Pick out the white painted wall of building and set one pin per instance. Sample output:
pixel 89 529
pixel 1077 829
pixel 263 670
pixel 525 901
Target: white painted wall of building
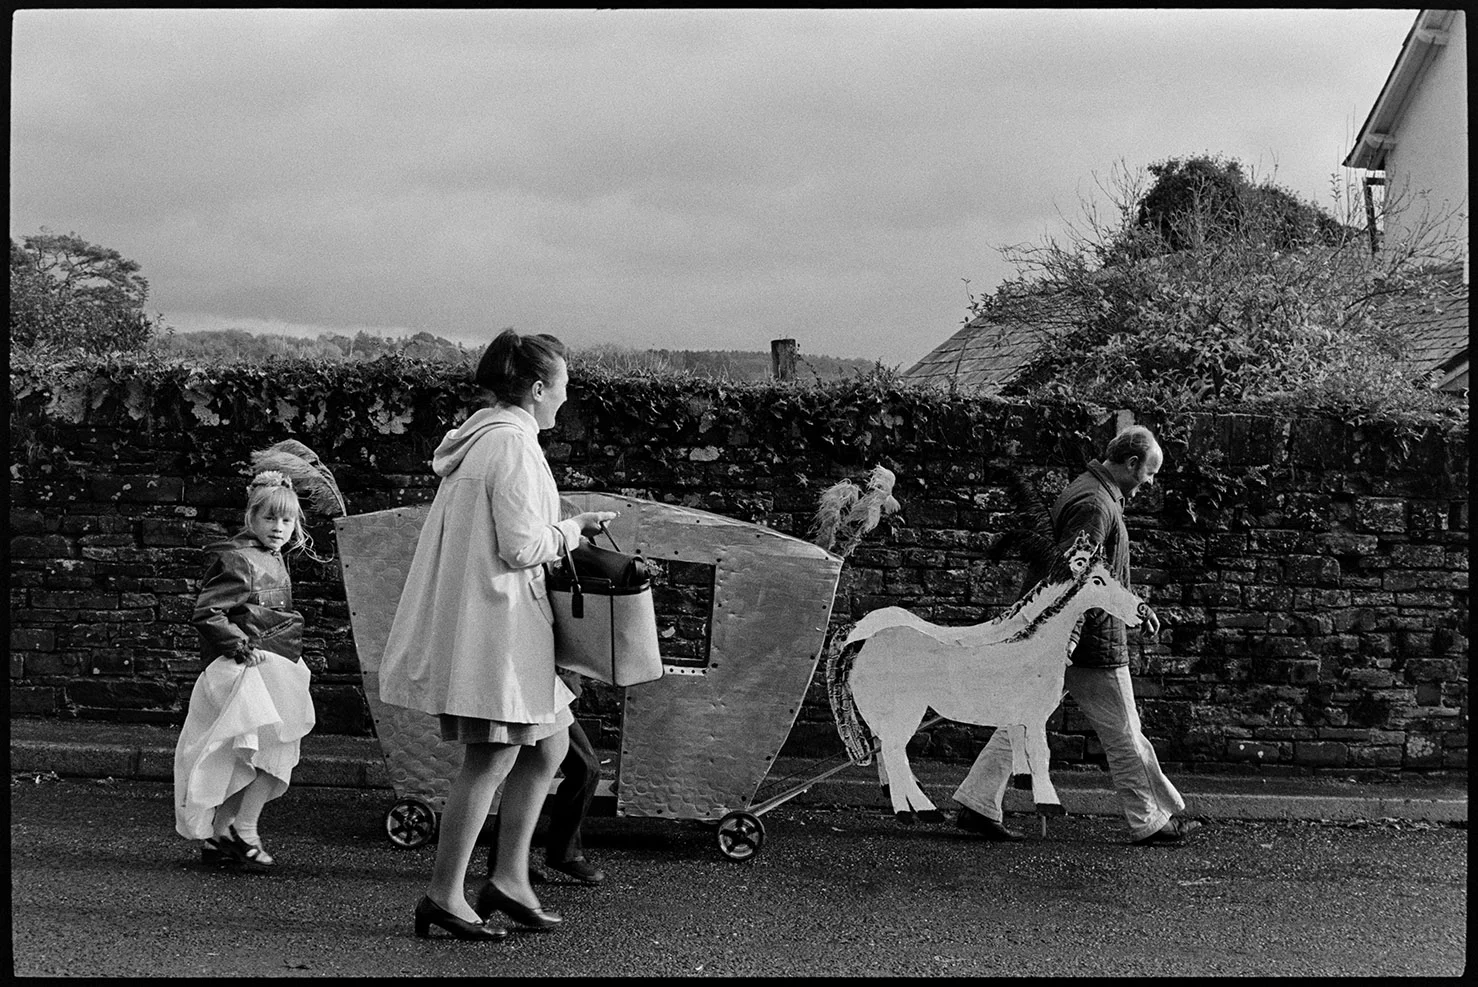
pixel 1431 152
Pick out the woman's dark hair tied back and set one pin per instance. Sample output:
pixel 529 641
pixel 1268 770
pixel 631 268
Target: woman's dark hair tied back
pixel 512 363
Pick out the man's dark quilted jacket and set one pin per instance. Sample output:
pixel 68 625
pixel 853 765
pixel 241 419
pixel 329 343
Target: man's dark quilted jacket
pixel 1094 504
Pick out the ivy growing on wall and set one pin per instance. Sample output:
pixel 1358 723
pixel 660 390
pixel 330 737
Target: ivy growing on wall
pixel 321 403
pixel 868 419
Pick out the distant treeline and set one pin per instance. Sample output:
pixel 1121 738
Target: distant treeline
pixel 733 364
pixel 238 345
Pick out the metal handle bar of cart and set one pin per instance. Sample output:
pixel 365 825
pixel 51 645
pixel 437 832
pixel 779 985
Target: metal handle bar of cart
pixel 801 789
pixel 741 834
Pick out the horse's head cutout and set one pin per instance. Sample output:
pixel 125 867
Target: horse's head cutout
pixel 1081 554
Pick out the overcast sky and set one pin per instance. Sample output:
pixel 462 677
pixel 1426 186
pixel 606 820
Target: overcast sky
pixel 651 178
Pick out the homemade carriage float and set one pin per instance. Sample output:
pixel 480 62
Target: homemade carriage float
pixel 697 743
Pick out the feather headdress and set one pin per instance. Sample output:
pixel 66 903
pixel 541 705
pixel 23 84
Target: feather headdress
pixel 310 477
pixel 846 512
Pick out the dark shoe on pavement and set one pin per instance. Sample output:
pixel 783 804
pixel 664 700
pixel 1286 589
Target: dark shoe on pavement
pixel 490 899
pixel 429 913
pixel 251 857
pixel 1173 831
pixel 580 869
pixel 973 822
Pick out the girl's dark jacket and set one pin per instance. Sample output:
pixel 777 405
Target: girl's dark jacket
pixel 245 602
pixel 1093 504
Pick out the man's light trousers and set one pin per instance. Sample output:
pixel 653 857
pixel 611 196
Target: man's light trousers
pixel 1106 697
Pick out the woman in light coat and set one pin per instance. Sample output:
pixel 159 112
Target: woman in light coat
pixel 473 636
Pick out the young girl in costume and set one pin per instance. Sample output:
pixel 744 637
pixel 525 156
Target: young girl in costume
pixel 250 707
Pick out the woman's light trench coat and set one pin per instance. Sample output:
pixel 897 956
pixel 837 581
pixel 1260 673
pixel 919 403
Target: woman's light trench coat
pixel 474 634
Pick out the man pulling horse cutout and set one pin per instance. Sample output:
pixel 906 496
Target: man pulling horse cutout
pixel 1098 676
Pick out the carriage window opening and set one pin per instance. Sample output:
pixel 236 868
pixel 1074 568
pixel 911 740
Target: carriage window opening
pixel 682 594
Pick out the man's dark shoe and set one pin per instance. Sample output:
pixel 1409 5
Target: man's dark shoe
pixel 973 822
pixel 1173 831
pixel 580 869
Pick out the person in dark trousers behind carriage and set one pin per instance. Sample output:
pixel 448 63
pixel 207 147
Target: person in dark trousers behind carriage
pixel 1098 677
pixel 567 807
pixel 473 638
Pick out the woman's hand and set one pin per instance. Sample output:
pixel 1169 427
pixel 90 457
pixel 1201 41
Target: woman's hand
pixel 591 521
pixel 255 657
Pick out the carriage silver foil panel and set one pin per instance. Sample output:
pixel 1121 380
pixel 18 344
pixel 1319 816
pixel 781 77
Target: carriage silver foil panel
pixel 696 747
pixel 692 746
pixel 375 552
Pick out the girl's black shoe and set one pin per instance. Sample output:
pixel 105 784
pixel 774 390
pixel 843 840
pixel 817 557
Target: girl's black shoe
pixel 490 899
pixel 429 913
pixel 247 856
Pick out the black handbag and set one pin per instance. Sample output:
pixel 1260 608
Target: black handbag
pixel 588 567
pixel 605 625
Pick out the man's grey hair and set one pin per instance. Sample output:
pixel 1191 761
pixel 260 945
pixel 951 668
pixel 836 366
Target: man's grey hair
pixel 1136 440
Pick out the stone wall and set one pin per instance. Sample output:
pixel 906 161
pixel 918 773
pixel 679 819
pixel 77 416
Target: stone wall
pixel 1311 575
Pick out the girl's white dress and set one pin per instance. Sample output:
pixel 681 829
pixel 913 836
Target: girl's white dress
pixel 242 719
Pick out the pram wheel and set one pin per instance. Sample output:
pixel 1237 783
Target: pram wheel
pixel 411 823
pixel 740 835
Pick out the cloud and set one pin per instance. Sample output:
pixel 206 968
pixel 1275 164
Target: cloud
pixel 675 178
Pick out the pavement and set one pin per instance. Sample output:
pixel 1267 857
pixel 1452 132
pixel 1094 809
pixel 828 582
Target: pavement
pixel 145 752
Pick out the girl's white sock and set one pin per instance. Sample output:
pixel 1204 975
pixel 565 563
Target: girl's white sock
pixel 256 795
pixel 221 825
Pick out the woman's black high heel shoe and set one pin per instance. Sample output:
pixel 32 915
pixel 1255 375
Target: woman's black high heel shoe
pixel 490 899
pixel 429 913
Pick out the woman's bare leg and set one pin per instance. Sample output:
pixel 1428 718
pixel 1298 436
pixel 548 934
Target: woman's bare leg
pixel 483 769
pixel 518 814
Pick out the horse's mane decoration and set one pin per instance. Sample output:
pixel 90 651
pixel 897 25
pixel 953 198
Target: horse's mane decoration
pixel 892 666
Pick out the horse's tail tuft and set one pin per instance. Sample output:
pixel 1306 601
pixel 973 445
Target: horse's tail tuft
pixel 854 733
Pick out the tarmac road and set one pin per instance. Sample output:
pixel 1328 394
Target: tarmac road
pixel 101 886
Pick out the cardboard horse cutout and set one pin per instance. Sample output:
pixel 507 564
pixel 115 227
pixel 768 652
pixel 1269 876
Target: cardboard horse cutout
pixel 1008 673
